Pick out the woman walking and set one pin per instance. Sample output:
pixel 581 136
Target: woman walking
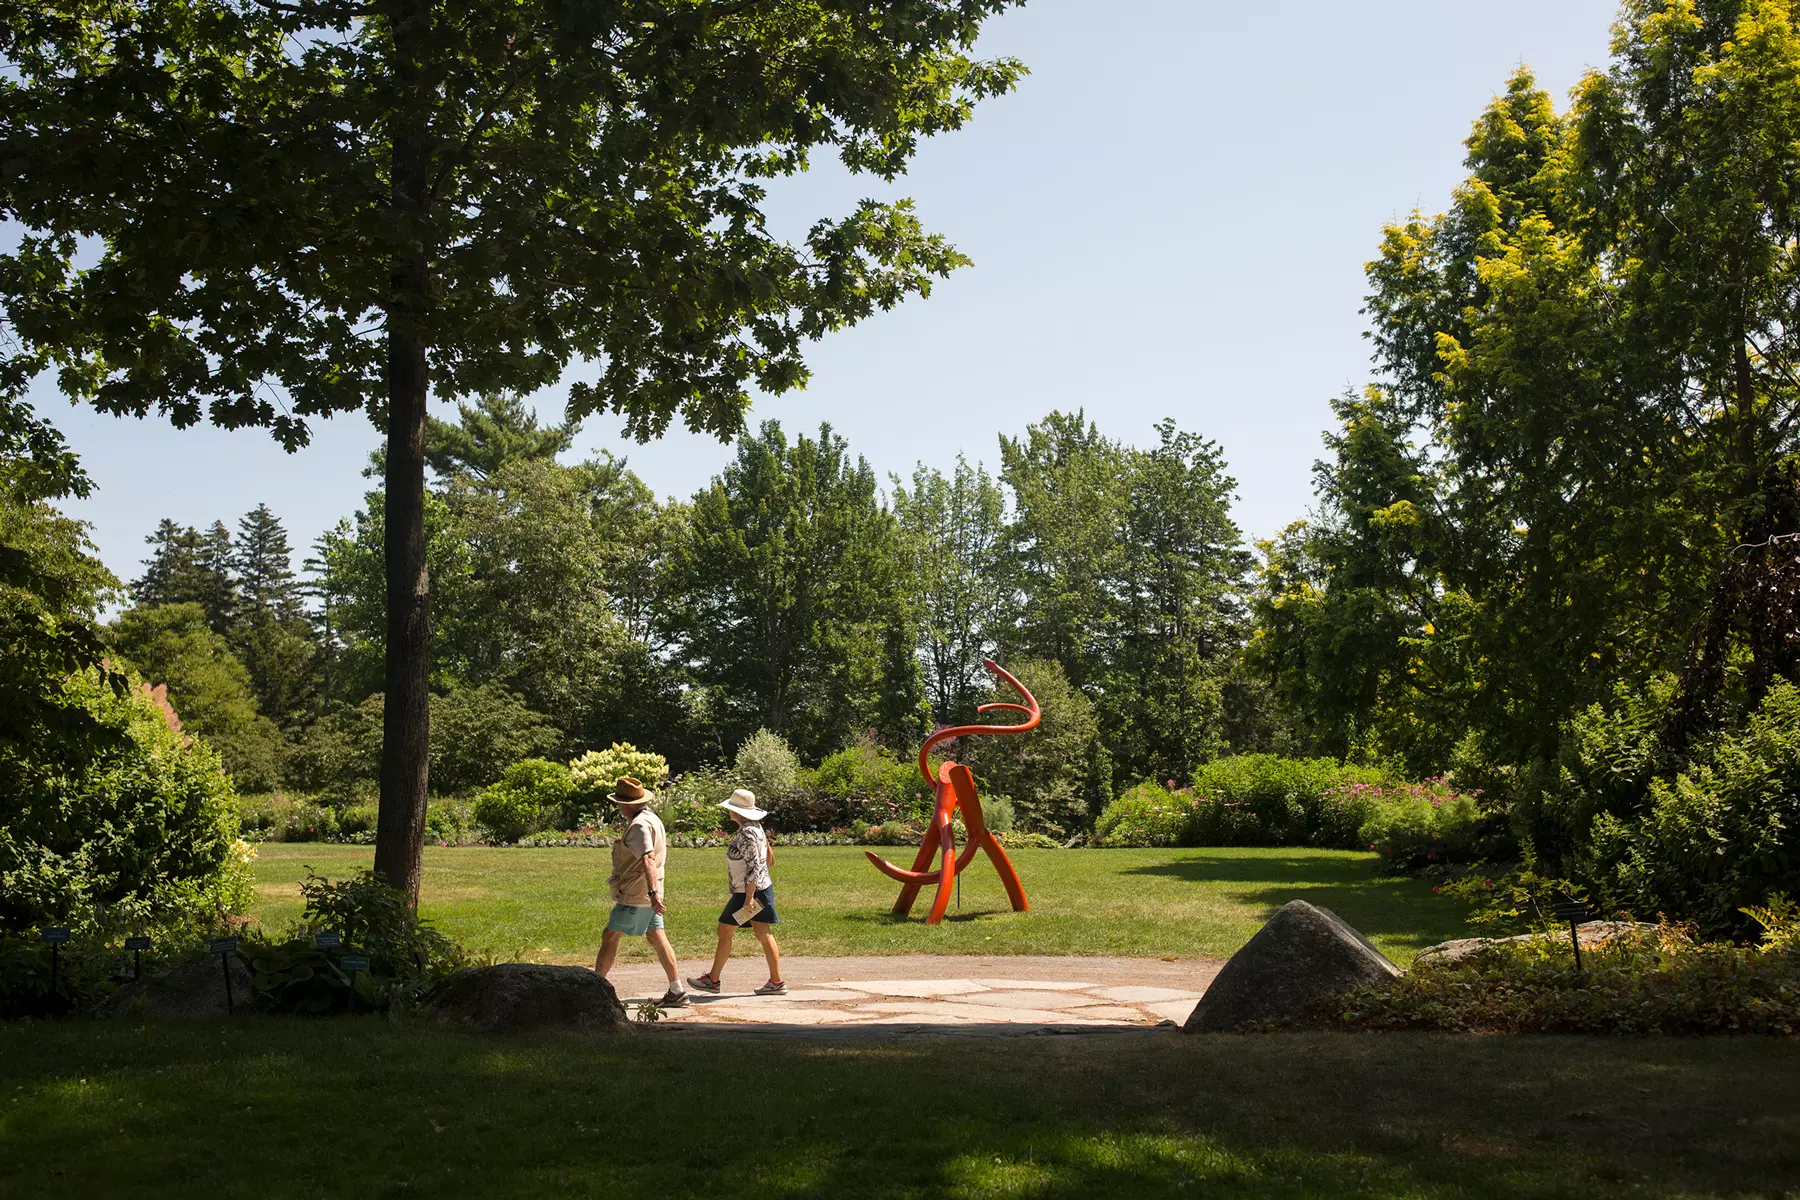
pixel 747 862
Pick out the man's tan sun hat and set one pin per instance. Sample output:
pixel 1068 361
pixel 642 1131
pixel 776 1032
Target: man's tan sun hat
pixel 743 803
pixel 630 791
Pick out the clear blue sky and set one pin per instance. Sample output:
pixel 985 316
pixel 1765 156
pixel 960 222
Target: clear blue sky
pixel 1168 218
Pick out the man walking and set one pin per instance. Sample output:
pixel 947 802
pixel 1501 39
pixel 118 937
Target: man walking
pixel 637 888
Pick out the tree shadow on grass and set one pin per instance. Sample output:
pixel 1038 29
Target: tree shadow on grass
pixel 1403 913
pixel 244 1109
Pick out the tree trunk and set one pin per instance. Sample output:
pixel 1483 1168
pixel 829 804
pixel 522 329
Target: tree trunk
pixel 406 716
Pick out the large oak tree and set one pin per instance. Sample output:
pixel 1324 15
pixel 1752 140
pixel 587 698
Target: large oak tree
pixel 266 211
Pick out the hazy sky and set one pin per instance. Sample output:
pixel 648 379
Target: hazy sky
pixel 1168 218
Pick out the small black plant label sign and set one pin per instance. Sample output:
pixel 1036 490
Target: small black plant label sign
pixel 327 941
pixel 55 936
pixel 224 945
pixel 137 942
pixel 1574 912
pixel 354 962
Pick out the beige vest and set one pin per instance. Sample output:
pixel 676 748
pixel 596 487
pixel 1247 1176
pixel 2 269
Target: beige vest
pixel 628 882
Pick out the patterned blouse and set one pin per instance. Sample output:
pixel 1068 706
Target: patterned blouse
pixel 748 854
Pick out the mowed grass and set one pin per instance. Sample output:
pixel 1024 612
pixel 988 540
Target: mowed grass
pixel 550 905
pixel 364 1107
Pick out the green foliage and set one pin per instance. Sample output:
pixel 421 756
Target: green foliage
pixel 83 978
pixel 1415 826
pixel 870 783
pixel 529 794
pixel 767 765
pixel 489 434
pixel 406 955
pixel 1521 898
pixel 998 812
pixel 596 773
pixel 1719 837
pixel 791 602
pixel 476 732
pixel 1655 983
pixel 1780 923
pixel 136 832
pixel 449 822
pixel 188 567
pixel 278 817
pixel 1149 815
pixel 688 804
pixel 1126 563
pixel 1269 800
pixel 171 644
pixel 952 536
pixel 51 592
pixel 1044 771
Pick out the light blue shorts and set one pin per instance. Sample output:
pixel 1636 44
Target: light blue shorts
pixel 634 920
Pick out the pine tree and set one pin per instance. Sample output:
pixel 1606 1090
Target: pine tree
pixel 264 565
pixel 272 636
pixel 169 572
pixel 218 586
pixel 186 567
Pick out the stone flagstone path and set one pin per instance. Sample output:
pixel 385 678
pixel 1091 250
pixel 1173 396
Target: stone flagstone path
pixel 939 990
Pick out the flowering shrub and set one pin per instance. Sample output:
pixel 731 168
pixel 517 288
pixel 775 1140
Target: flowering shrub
pixel 597 772
pixel 1417 825
pixel 1270 800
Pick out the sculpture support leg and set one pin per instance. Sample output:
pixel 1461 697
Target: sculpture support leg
pixel 910 891
pixel 947 879
pixel 1015 891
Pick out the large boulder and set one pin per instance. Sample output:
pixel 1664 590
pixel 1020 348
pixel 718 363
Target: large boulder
pixel 1302 954
pixel 513 996
pixel 194 988
pixel 1593 935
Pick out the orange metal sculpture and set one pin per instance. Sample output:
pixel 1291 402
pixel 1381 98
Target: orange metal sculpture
pixel 955 788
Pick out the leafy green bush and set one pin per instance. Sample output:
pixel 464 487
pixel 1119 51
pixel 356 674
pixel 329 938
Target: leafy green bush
pixel 1718 838
pixel 449 822
pixel 1654 983
pixel 1270 800
pixel 287 818
pixel 528 794
pixel 997 811
pixel 689 804
pixel 870 783
pixel 406 955
pixel 358 820
pixel 1417 825
pixel 137 831
pixel 83 978
pixel 767 766
pixel 1149 815
pixel 597 772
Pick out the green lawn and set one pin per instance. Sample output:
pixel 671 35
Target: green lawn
pixel 365 1107
pixel 551 904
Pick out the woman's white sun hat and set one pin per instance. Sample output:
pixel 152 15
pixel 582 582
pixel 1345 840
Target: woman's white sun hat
pixel 743 803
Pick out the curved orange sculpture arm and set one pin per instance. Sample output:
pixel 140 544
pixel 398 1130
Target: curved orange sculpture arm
pixel 1029 708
